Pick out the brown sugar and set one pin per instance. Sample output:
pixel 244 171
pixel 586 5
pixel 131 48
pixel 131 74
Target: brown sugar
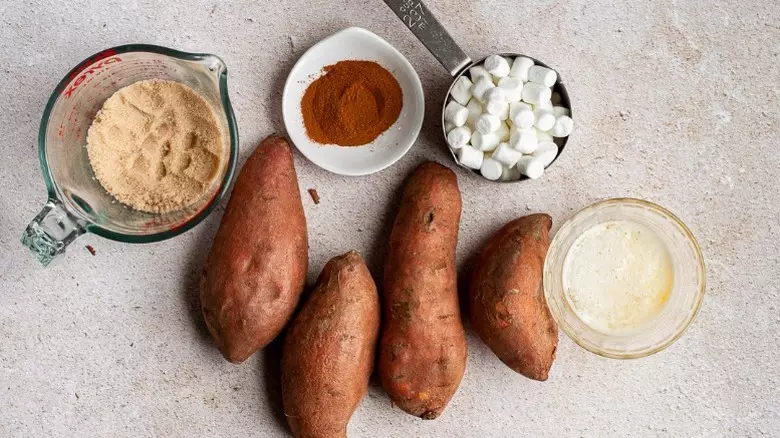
pixel 156 146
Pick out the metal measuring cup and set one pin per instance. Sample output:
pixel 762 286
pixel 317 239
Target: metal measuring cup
pixel 416 16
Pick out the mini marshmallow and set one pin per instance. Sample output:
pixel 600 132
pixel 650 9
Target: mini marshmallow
pixel 505 155
pixel 475 110
pixel 544 119
pixel 561 111
pixel 546 105
pixel 470 157
pixel 479 88
pixel 535 94
pixel 530 167
pixel 556 98
pixel 546 152
pixel 513 88
pixel 491 169
pixel 514 129
pixel 498 107
pixel 449 126
pixel 459 137
pixel 522 115
pixel 523 141
pixel 503 132
pixel 461 91
pixel 543 136
pixel 497 66
pixel 456 113
pixel 503 111
pixel 477 72
pixel 520 67
pixel 542 75
pixel 495 93
pixel 487 123
pixel 563 126
pixel 484 142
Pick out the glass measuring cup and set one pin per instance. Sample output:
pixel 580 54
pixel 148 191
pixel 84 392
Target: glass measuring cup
pixel 419 19
pixel 77 203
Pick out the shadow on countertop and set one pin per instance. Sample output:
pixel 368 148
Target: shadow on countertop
pixel 269 371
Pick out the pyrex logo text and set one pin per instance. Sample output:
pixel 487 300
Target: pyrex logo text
pixel 91 70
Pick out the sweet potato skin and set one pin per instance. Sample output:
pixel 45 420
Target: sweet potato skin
pixel 506 297
pixel 422 355
pixel 329 350
pixel 257 266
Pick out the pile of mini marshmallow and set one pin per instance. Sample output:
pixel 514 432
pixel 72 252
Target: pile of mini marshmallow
pixel 502 121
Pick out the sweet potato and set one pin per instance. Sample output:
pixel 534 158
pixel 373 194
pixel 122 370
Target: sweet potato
pixel 329 350
pixel 506 297
pixel 257 266
pixel 422 354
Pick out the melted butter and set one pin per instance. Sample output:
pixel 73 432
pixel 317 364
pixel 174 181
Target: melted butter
pixel 618 276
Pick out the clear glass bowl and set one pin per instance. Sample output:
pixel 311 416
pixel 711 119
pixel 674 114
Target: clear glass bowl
pixel 77 202
pixel 684 300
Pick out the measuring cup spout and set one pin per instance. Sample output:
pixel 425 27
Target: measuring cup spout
pixel 416 16
pixel 51 231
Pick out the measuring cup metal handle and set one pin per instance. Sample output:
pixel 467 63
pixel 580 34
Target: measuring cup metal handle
pixel 416 16
pixel 51 231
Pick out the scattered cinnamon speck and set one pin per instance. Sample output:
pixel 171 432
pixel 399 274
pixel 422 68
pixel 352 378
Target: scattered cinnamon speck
pixel 314 196
pixel 91 249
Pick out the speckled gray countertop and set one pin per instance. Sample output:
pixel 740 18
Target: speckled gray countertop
pixel 676 102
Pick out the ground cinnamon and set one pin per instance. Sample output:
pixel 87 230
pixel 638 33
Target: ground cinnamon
pixel 351 104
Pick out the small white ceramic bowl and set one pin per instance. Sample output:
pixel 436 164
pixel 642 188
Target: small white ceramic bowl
pixel 357 44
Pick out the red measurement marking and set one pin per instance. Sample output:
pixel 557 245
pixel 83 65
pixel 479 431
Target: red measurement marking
pixel 82 75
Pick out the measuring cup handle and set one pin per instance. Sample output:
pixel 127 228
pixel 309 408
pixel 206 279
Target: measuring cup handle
pixel 51 231
pixel 416 16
